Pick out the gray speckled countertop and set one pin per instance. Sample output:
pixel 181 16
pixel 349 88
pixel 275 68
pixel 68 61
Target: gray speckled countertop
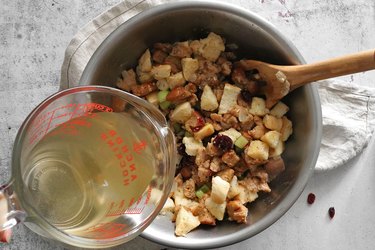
pixel 33 38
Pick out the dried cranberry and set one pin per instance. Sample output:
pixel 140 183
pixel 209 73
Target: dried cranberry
pixel 223 142
pixel 331 212
pixel 246 95
pixel 311 198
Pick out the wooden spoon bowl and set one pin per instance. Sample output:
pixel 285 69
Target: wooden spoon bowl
pixel 281 79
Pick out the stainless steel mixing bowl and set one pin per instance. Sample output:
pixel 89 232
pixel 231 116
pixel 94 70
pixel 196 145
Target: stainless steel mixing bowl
pixel 257 39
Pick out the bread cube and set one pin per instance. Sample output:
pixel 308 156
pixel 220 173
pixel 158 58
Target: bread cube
pixel 211 47
pixel 229 98
pixel 153 98
pixel 245 195
pixel 176 80
pixel 144 62
pixel 233 189
pixel 279 110
pixel 258 107
pixel 192 145
pixel 168 207
pixel 162 84
pixel 181 113
pixel 144 76
pixel 219 190
pixel 208 99
pixel 272 138
pixel 231 133
pixel 161 71
pixel 272 123
pixel 207 130
pixel 128 80
pixel 258 131
pixel 278 150
pixel 258 150
pixel 217 210
pixel 286 129
pixel 189 67
pixel 185 222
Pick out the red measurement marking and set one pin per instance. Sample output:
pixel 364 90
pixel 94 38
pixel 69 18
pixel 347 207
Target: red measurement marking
pixel 134 206
pixel 119 147
pixel 107 230
pixel 138 147
pixel 49 120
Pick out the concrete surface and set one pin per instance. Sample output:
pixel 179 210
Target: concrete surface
pixel 34 35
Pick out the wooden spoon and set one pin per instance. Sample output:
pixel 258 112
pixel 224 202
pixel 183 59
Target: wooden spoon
pixel 280 79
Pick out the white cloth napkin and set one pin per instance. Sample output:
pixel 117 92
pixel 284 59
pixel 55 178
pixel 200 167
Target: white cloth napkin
pixel 348 110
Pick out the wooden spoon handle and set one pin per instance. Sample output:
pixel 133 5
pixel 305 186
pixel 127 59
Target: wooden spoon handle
pixel 353 63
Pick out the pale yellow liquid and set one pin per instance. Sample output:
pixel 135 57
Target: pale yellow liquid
pixel 73 175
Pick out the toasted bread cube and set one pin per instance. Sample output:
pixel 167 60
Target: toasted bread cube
pixel 128 80
pixel 272 138
pixel 185 222
pixel 278 150
pixel 189 67
pixel 192 145
pixel 219 190
pixel 231 133
pixel 258 150
pixel 258 107
pixel 161 71
pixel 181 113
pixel 176 80
pixel 207 130
pixel 168 207
pixel 215 209
pixel 208 99
pixel 245 195
pixel 144 76
pixel 272 123
pixel 178 195
pixel 162 84
pixel 212 46
pixel 279 110
pixel 286 129
pixel 229 98
pixel 144 62
pixel 153 98
pixel 258 131
pixel 234 188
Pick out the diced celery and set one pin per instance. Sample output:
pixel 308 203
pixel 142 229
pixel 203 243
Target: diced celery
pixel 241 142
pixel 164 105
pixel 202 190
pixel 162 95
pixel 199 193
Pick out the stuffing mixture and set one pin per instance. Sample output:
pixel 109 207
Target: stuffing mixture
pixel 229 143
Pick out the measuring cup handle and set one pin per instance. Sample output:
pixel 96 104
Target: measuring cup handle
pixel 10 212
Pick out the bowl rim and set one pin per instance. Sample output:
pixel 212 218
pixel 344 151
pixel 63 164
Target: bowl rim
pixel 312 91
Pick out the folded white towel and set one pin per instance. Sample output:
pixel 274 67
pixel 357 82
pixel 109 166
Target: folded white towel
pixel 348 109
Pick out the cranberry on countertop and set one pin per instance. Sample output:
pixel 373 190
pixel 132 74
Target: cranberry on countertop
pixel 311 198
pixel 331 212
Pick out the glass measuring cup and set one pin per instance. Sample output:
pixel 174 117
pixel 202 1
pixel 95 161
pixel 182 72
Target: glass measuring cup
pixel 91 167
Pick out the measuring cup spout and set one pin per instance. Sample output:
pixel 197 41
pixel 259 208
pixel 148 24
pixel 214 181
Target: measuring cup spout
pixel 10 212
